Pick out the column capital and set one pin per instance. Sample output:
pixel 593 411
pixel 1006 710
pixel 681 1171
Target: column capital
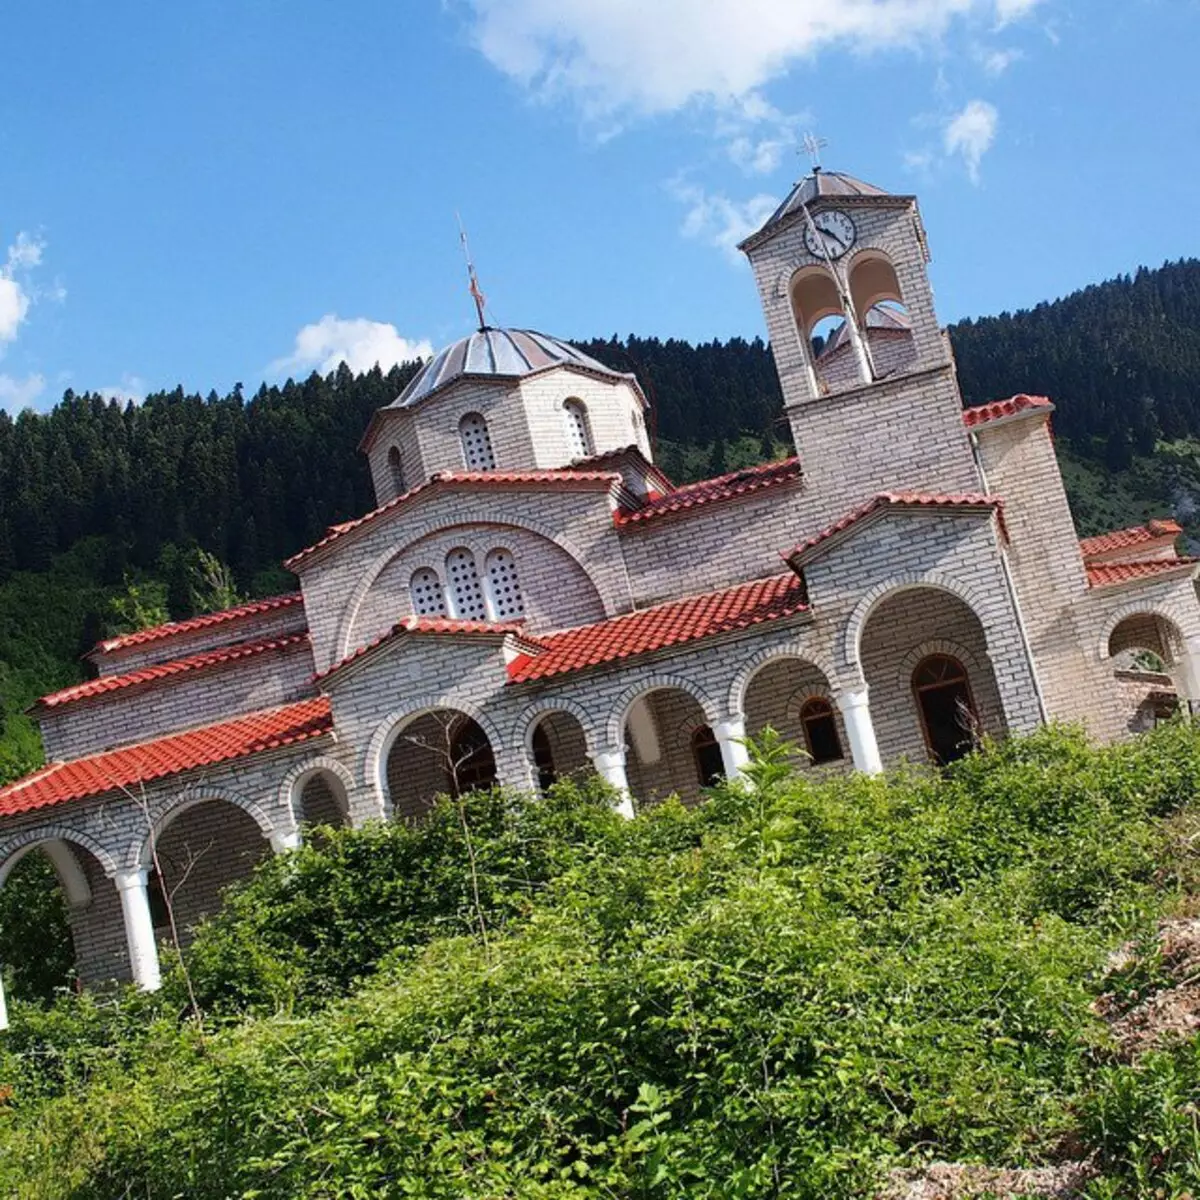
pixel 608 757
pixel 283 840
pixel 854 697
pixel 129 878
pixel 731 725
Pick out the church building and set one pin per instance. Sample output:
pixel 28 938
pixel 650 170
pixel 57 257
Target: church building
pixel 532 597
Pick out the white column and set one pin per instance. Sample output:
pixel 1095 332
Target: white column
pixel 731 738
pixel 139 928
pixel 1187 675
pixel 610 764
pixel 3 1009
pixel 286 839
pixel 856 713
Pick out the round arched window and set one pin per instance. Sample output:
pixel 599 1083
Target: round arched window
pixel 476 443
pixel 579 432
pixel 949 719
pixel 820 731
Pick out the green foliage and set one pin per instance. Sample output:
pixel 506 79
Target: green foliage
pixel 775 994
pixel 36 951
pixel 139 605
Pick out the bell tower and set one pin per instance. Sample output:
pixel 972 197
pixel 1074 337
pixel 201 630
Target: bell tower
pixel 874 406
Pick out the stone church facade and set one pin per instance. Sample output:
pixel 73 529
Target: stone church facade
pixel 532 598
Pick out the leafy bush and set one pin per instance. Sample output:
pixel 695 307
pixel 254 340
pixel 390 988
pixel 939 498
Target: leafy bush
pixel 773 994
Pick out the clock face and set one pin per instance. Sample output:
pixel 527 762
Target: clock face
pixel 831 233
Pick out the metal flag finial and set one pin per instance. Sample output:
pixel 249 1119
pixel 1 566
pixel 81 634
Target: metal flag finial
pixel 473 285
pixel 813 146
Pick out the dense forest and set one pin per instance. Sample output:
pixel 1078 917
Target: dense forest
pixel 105 507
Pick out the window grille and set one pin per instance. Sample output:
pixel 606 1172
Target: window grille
pixel 428 599
pixel 466 593
pixel 396 470
pixel 476 443
pixel 579 435
pixel 505 588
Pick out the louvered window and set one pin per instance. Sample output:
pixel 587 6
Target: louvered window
pixel 503 585
pixel 476 443
pixel 466 593
pixel 579 435
pixel 428 599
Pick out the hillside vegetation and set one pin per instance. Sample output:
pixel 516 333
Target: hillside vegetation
pixel 785 992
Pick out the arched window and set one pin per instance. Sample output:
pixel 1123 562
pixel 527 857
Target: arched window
pixel 425 588
pixel 466 594
pixel 820 731
pixel 476 443
pixel 579 432
pixel 472 763
pixel 710 766
pixel 504 589
pixel 397 470
pixel 543 758
pixel 948 717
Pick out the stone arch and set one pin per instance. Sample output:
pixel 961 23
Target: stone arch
pixel 1164 612
pixel 381 562
pixel 762 658
pixel 67 867
pixel 872 278
pixel 526 723
pixel 914 658
pixel 615 727
pixel 852 635
pixel 293 784
pixel 390 728
pixel 140 855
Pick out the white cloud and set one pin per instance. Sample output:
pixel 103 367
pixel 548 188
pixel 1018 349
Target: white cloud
pixel 971 133
pixel 358 342
pixel 996 62
pixel 16 394
pixel 131 387
pixel 618 58
pixel 1014 10
pixel 17 291
pixel 718 221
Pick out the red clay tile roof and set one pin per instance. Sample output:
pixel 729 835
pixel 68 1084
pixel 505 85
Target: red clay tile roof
pixel 202 622
pixel 1122 539
pixel 193 662
pixel 670 624
pixel 983 413
pixel 486 478
pixel 129 766
pixel 886 500
pixel 1107 574
pixel 412 624
pixel 723 487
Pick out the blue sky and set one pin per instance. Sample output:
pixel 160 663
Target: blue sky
pixel 217 192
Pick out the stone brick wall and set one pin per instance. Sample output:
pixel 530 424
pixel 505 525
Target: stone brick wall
pixel 193 698
pixel 613 409
pixel 257 627
pixel 578 520
pixel 98 929
pixel 891 352
pixel 556 590
pixel 202 851
pixel 775 696
pixel 716 545
pixel 676 717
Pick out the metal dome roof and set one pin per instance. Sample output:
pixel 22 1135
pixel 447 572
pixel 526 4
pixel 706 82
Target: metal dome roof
pixel 497 354
pixel 817 186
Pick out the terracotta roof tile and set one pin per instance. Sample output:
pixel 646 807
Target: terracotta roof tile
pixel 179 666
pixel 434 625
pixel 886 500
pixel 723 487
pixel 983 413
pixel 670 624
pixel 1122 539
pixel 172 628
pixel 60 782
pixel 484 478
pixel 1107 574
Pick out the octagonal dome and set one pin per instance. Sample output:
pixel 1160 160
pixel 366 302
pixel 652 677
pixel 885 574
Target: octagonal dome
pixel 498 354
